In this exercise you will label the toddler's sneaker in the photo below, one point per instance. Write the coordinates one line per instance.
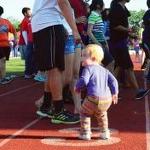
(85, 136)
(105, 135)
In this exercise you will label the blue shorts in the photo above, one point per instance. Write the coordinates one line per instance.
(70, 45)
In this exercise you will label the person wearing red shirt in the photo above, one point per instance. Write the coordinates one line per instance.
(22, 45)
(80, 10)
(26, 43)
(5, 28)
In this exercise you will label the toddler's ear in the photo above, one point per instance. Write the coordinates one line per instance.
(93, 58)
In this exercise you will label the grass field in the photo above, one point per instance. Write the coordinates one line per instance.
(15, 66)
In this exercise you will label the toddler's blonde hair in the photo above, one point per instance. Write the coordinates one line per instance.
(95, 51)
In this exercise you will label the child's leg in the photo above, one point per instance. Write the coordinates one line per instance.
(87, 110)
(102, 118)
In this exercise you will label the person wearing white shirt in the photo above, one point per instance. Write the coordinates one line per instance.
(49, 41)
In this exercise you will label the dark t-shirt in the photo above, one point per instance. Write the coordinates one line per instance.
(146, 21)
(118, 16)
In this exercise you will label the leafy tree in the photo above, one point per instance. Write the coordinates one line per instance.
(135, 20)
(136, 17)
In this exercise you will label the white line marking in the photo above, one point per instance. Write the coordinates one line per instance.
(147, 116)
(5, 141)
(19, 89)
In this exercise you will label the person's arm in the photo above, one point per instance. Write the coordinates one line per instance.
(113, 85)
(90, 34)
(13, 31)
(66, 11)
(83, 80)
(24, 34)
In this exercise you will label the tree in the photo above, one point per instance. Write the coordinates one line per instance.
(136, 18)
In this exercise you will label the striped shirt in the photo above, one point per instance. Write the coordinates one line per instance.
(98, 26)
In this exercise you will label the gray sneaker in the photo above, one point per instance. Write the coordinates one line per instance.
(105, 135)
(45, 113)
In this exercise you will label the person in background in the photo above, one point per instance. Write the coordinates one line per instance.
(102, 89)
(30, 67)
(136, 47)
(26, 43)
(105, 17)
(26, 11)
(146, 40)
(119, 34)
(49, 40)
(5, 28)
(81, 13)
(96, 32)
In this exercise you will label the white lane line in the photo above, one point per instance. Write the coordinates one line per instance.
(19, 89)
(147, 116)
(5, 141)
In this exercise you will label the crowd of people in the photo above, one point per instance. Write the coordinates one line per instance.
(69, 43)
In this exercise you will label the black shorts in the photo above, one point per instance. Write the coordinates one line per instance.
(5, 52)
(49, 44)
(120, 53)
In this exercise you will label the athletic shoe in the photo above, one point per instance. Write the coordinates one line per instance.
(45, 113)
(28, 76)
(40, 78)
(105, 135)
(65, 117)
(141, 94)
(85, 136)
(6, 80)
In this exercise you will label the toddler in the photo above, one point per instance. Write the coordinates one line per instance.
(101, 90)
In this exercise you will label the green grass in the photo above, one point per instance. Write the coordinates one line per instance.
(15, 66)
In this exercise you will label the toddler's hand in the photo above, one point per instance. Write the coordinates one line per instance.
(115, 98)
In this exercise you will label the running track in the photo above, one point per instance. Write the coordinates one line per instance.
(21, 129)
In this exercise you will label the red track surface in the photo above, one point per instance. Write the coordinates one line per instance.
(17, 110)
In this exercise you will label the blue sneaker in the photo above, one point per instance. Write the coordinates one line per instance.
(40, 78)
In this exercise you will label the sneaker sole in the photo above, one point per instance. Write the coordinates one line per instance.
(138, 98)
(7, 82)
(63, 122)
(82, 138)
(39, 113)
